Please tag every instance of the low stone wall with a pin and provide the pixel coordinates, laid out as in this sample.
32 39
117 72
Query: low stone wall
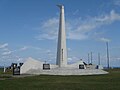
67 71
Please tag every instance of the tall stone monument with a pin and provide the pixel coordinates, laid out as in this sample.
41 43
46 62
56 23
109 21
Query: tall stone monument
61 48
32 66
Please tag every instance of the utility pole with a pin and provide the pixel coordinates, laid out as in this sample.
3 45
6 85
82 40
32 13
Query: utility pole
98 58
88 58
91 57
107 55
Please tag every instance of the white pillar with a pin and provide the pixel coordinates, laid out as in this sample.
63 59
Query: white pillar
61 48
4 69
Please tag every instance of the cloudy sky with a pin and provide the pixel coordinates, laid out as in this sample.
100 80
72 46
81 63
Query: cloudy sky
29 28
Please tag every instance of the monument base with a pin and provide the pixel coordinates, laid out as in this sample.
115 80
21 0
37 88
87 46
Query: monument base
66 71
32 66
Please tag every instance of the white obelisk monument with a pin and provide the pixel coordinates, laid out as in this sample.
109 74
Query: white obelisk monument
32 66
61 48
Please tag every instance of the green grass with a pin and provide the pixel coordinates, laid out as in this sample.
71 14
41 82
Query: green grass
110 81
8 72
1 70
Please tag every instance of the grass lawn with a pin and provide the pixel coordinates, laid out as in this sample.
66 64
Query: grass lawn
110 81
1 70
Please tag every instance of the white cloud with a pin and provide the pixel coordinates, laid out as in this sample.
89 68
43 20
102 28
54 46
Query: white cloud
36 48
118 58
117 2
69 59
83 30
76 12
3 45
114 58
46 36
24 48
7 53
20 59
76 29
5 50
69 49
48 51
105 40
107 19
49 29
115 48
76 36
73 59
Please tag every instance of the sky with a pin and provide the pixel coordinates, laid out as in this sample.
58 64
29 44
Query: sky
29 28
